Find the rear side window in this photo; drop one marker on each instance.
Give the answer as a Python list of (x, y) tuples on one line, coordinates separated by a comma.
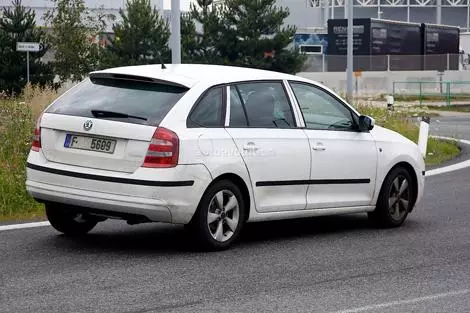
[(266, 105), (143, 102), (209, 110), (237, 111)]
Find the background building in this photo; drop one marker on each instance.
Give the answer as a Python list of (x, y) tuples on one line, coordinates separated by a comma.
[(314, 13)]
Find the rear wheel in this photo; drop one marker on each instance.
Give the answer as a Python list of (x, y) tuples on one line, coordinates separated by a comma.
[(68, 222), (395, 199), (220, 216)]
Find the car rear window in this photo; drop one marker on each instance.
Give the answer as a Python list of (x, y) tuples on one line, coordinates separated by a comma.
[(144, 102)]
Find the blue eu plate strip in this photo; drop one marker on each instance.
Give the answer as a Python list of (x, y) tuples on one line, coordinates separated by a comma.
[(67, 140)]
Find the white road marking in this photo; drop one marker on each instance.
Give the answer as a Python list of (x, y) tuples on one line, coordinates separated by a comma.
[(24, 225), (403, 302), (453, 167)]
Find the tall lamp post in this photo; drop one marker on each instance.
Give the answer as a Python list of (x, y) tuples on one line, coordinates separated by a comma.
[(175, 32)]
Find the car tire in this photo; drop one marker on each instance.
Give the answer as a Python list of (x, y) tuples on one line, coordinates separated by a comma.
[(220, 216), (396, 199), (67, 222)]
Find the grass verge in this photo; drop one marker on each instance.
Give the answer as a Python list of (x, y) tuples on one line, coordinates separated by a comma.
[(17, 119), (432, 97), (438, 151)]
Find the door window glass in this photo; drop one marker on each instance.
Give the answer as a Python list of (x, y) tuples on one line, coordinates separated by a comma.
[(237, 111), (321, 110), (266, 105)]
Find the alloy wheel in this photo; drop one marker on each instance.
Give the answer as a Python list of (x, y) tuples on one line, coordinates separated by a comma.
[(223, 215), (399, 198)]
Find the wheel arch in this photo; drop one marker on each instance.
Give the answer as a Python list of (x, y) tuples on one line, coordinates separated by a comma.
[(411, 170), (241, 184)]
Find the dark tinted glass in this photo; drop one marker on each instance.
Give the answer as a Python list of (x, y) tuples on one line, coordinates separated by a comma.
[(237, 113), (208, 111), (266, 105), (147, 100)]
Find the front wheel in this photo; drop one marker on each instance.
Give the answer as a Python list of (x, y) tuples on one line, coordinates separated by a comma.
[(67, 222), (220, 216), (395, 199)]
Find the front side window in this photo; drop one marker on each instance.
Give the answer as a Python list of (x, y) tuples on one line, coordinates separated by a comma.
[(209, 110), (321, 110), (266, 105)]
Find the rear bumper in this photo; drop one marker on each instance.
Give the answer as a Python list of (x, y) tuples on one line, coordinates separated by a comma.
[(162, 195), (153, 209)]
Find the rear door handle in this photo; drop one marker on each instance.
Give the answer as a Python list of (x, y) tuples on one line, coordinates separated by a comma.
[(319, 147), (250, 146)]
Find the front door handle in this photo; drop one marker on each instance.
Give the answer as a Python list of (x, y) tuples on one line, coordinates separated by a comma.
[(319, 147)]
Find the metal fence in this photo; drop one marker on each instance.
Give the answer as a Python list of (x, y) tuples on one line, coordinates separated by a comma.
[(433, 92), (337, 63)]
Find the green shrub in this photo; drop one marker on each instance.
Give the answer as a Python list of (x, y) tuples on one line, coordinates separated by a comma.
[(17, 119)]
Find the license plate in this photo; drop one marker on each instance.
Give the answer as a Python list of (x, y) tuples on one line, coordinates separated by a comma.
[(90, 143)]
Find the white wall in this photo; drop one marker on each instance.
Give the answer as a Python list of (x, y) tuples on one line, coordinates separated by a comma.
[(465, 42)]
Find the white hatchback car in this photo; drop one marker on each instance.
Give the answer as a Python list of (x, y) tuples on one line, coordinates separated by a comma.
[(214, 147)]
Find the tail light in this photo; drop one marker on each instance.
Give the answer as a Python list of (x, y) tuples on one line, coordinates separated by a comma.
[(163, 149), (36, 145)]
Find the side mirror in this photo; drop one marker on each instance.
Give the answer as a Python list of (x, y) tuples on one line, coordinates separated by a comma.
[(366, 123)]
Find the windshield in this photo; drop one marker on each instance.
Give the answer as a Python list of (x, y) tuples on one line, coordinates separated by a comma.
[(128, 100)]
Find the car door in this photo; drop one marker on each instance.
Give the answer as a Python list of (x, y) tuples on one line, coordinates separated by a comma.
[(275, 151), (344, 160)]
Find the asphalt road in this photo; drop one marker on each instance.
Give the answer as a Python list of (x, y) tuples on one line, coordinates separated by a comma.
[(334, 264), (451, 124)]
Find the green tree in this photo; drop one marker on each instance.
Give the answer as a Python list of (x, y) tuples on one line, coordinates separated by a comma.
[(249, 33), (140, 38), (202, 46), (189, 39), (17, 24), (255, 36), (73, 28)]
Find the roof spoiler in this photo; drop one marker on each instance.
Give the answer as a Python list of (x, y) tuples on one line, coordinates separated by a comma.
[(136, 78)]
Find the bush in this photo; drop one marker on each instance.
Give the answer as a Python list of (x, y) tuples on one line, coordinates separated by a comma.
[(17, 120)]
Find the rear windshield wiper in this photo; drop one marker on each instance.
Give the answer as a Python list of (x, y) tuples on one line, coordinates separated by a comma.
[(104, 114)]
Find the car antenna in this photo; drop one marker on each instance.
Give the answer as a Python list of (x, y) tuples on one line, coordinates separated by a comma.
[(161, 61)]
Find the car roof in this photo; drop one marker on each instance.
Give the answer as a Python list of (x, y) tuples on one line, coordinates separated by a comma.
[(189, 75)]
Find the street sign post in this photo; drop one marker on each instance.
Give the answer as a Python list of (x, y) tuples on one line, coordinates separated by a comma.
[(28, 47)]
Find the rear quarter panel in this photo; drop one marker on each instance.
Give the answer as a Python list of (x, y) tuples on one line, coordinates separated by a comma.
[(212, 147)]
